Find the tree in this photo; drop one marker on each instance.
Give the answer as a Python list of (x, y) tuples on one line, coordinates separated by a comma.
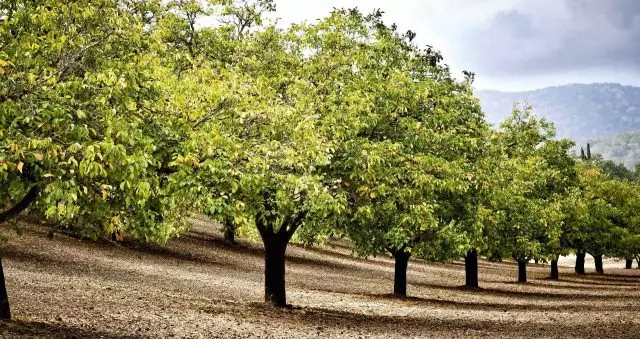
[(474, 218), (257, 161), (603, 230), (80, 116), (623, 196), (534, 173), (405, 137), (573, 214)]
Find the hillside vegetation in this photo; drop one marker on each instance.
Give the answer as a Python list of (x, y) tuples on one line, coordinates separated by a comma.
[(621, 148), (581, 112)]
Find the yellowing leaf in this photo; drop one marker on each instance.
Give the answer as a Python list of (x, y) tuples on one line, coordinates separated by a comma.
[(20, 165), (131, 105)]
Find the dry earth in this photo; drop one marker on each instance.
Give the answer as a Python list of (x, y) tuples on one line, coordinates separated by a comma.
[(199, 287)]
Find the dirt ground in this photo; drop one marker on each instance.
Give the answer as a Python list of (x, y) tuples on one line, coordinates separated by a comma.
[(199, 287)]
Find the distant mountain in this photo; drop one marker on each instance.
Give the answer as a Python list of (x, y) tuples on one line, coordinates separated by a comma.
[(581, 112)]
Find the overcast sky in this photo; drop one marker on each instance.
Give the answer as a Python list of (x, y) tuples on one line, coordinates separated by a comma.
[(513, 44)]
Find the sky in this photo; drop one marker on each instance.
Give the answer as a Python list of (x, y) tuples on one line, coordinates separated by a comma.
[(512, 45)]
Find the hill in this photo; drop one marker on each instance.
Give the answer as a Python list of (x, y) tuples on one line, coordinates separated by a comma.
[(582, 112)]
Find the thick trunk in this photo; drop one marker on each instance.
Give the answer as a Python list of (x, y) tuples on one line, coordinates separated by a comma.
[(629, 264), (5, 311), (400, 277), (598, 260), (471, 269), (580, 262), (275, 246), (229, 233), (274, 262), (555, 275), (522, 271)]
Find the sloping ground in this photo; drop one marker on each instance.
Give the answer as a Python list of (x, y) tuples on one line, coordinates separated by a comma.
[(199, 287)]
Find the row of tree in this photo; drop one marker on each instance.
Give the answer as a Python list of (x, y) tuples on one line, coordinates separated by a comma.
[(122, 116)]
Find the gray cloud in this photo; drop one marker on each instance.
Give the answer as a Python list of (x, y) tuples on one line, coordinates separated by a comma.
[(547, 37)]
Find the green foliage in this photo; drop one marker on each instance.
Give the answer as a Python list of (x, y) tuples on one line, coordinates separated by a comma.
[(607, 201), (128, 115), (78, 116), (533, 177)]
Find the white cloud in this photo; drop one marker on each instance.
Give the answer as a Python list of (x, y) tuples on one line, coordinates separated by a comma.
[(511, 44)]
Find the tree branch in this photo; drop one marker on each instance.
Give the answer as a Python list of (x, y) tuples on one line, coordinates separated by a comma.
[(26, 201), (65, 66), (295, 224), (262, 229), (222, 105)]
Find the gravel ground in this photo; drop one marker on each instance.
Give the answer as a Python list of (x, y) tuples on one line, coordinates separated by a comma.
[(199, 287)]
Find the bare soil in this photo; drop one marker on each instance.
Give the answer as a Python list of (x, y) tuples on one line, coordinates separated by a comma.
[(200, 287)]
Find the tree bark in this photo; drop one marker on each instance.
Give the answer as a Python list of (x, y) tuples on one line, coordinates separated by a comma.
[(274, 271), (400, 277), (5, 311), (580, 262), (275, 245), (14, 211), (22, 205), (555, 275), (471, 269), (598, 260), (229, 232), (629, 264), (522, 271)]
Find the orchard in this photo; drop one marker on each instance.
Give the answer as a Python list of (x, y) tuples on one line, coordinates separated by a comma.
[(120, 117)]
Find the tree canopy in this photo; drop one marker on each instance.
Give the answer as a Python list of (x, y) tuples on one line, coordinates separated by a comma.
[(124, 117)]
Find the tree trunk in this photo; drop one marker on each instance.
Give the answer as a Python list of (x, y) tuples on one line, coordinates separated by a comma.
[(555, 275), (14, 211), (275, 245), (629, 264), (5, 311), (229, 233), (274, 263), (580, 262), (598, 261), (400, 278), (522, 271), (471, 269)]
